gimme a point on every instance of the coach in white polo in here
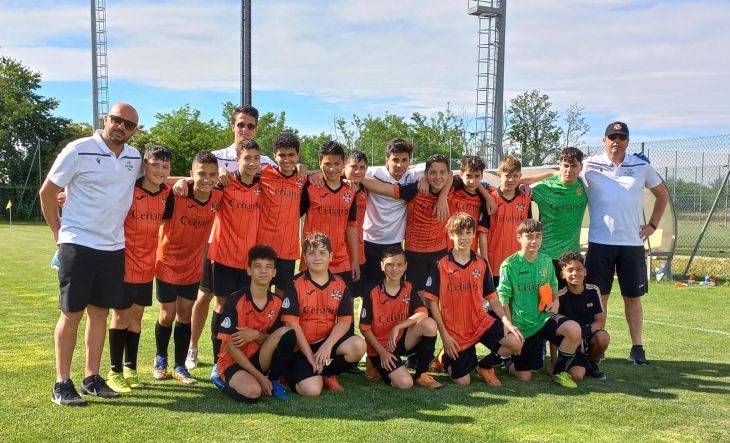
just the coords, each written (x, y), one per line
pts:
(615, 185)
(98, 175)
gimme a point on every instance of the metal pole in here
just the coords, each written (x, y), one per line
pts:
(94, 74)
(707, 223)
(499, 90)
(246, 52)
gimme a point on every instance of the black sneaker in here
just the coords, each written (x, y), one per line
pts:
(595, 372)
(65, 394)
(637, 356)
(96, 386)
(355, 369)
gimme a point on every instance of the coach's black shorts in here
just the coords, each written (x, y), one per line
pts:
(88, 276)
(531, 358)
(626, 261)
(228, 280)
(466, 362)
(138, 293)
(419, 266)
(284, 273)
(300, 369)
(373, 256)
(206, 280)
(400, 350)
(168, 292)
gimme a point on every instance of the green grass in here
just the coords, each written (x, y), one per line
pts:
(682, 396)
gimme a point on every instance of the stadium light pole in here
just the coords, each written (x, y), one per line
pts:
(245, 52)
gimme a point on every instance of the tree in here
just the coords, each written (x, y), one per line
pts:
(575, 127)
(533, 129)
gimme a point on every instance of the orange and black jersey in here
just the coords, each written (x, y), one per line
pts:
(474, 205)
(460, 291)
(279, 217)
(317, 308)
(236, 223)
(240, 311)
(184, 236)
(503, 226)
(142, 231)
(424, 232)
(330, 211)
(361, 201)
(381, 312)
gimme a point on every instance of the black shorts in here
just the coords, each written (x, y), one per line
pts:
(235, 367)
(400, 350)
(88, 276)
(284, 273)
(495, 281)
(373, 256)
(419, 266)
(561, 281)
(531, 357)
(347, 277)
(360, 288)
(300, 369)
(138, 293)
(626, 261)
(207, 284)
(168, 292)
(228, 280)
(466, 362)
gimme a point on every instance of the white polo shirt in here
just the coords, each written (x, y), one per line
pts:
(616, 198)
(385, 217)
(99, 189)
(227, 158)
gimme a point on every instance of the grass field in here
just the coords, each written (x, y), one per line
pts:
(683, 396)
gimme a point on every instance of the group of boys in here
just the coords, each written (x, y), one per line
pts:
(239, 216)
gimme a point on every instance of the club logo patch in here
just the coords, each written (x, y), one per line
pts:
(476, 273)
(300, 182)
(503, 277)
(226, 323)
(271, 314)
(214, 207)
(520, 207)
(336, 294)
(543, 272)
(617, 126)
(129, 165)
(98, 161)
(286, 303)
(257, 191)
(347, 197)
(579, 190)
(407, 298)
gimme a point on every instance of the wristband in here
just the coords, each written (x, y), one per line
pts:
(652, 225)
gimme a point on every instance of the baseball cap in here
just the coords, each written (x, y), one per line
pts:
(617, 128)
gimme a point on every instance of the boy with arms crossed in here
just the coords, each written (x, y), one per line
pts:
(528, 292)
(254, 341)
(179, 254)
(395, 322)
(141, 232)
(455, 291)
(318, 307)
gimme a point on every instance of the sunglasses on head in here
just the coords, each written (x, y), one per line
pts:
(117, 120)
(249, 126)
(621, 137)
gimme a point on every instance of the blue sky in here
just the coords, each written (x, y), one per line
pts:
(662, 66)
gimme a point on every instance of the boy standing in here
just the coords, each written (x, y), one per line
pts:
(318, 307)
(456, 289)
(528, 292)
(356, 165)
(141, 232)
(468, 198)
(254, 341)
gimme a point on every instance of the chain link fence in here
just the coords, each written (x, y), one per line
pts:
(695, 170)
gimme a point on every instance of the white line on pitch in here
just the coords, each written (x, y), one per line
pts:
(712, 331)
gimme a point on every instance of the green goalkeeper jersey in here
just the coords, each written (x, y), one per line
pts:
(561, 214)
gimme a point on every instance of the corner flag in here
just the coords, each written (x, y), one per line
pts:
(9, 205)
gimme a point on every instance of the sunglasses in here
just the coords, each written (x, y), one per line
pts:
(621, 137)
(249, 126)
(117, 120)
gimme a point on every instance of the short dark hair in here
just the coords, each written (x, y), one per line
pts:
(331, 148)
(205, 157)
(157, 152)
(571, 155)
(460, 221)
(436, 158)
(247, 110)
(316, 240)
(568, 257)
(356, 156)
(286, 140)
(261, 252)
(528, 226)
(472, 163)
(398, 145)
(246, 144)
(393, 251)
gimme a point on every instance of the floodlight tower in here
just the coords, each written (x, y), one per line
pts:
(99, 67)
(490, 77)
(245, 52)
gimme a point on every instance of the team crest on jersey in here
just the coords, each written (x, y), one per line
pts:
(503, 277)
(543, 272)
(300, 182)
(407, 298)
(257, 191)
(286, 303)
(629, 172)
(98, 160)
(476, 273)
(214, 207)
(363, 313)
(347, 197)
(164, 201)
(336, 294)
(520, 207)
(579, 190)
(129, 165)
(271, 314)
(226, 323)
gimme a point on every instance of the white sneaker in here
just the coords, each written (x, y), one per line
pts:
(191, 361)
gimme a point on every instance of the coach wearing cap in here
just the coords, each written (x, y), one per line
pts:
(615, 185)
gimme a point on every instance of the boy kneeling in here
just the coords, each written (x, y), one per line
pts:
(253, 340)
(318, 307)
(455, 292)
(395, 322)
